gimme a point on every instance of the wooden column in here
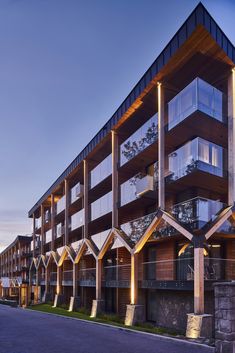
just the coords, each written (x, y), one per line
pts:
(42, 228)
(231, 138)
(52, 222)
(47, 280)
(75, 280)
(34, 235)
(85, 197)
(59, 280)
(115, 189)
(66, 220)
(161, 146)
(98, 279)
(198, 280)
(134, 278)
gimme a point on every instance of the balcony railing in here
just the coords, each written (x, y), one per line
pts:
(137, 227)
(117, 276)
(67, 276)
(139, 140)
(87, 277)
(215, 269)
(198, 95)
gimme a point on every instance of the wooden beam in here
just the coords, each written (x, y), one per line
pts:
(59, 280)
(161, 147)
(66, 220)
(134, 278)
(34, 235)
(223, 216)
(115, 188)
(52, 222)
(231, 138)
(172, 221)
(198, 281)
(98, 279)
(42, 229)
(85, 197)
(75, 280)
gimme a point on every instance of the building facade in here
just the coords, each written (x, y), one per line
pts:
(141, 222)
(15, 262)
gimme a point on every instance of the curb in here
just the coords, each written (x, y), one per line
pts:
(160, 337)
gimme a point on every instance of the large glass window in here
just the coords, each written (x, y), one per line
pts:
(196, 154)
(101, 206)
(139, 140)
(101, 171)
(198, 95)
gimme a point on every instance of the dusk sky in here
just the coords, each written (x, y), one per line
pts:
(65, 67)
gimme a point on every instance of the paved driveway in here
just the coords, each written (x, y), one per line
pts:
(25, 331)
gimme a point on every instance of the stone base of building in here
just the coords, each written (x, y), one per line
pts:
(199, 326)
(134, 314)
(97, 307)
(59, 299)
(74, 303)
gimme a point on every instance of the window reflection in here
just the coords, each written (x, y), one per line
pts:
(139, 140)
(196, 154)
(198, 95)
(101, 171)
(101, 206)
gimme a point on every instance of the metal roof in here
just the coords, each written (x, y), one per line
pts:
(199, 16)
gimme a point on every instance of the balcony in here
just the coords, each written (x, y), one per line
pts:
(197, 96)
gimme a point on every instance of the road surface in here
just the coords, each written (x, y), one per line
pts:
(26, 331)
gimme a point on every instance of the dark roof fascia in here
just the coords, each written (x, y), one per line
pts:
(19, 238)
(199, 16)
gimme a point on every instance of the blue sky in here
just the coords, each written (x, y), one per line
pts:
(65, 66)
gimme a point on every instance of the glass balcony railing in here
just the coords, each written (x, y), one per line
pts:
(139, 140)
(198, 95)
(60, 205)
(137, 227)
(101, 206)
(197, 154)
(193, 214)
(101, 171)
(77, 220)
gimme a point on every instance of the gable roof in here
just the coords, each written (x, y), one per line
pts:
(199, 17)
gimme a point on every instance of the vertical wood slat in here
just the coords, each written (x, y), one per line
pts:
(231, 138)
(198, 281)
(115, 189)
(161, 146)
(85, 197)
(66, 220)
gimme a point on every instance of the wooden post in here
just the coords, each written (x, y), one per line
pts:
(98, 279)
(85, 197)
(34, 235)
(42, 229)
(199, 280)
(231, 138)
(66, 221)
(115, 189)
(52, 222)
(161, 147)
(134, 278)
(47, 280)
(59, 280)
(75, 280)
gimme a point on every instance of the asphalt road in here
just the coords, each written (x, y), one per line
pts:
(25, 331)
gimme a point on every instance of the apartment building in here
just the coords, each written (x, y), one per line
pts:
(15, 262)
(141, 222)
